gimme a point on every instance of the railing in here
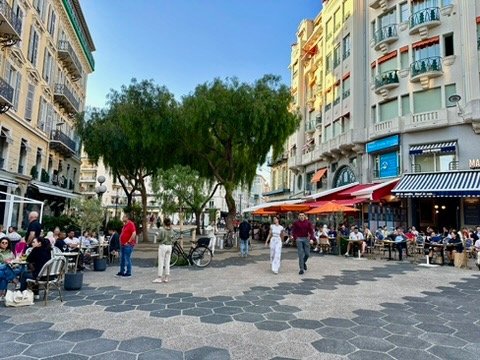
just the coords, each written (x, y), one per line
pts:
(385, 78)
(336, 101)
(429, 64)
(310, 125)
(346, 54)
(416, 168)
(8, 13)
(424, 16)
(65, 91)
(57, 135)
(6, 91)
(425, 117)
(386, 32)
(453, 165)
(346, 93)
(64, 45)
(328, 106)
(318, 121)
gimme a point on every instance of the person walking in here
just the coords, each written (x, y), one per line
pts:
(275, 237)
(34, 228)
(127, 243)
(244, 234)
(164, 251)
(302, 229)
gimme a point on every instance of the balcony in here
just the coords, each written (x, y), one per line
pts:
(375, 4)
(10, 25)
(6, 96)
(386, 81)
(318, 122)
(310, 126)
(425, 69)
(64, 97)
(87, 179)
(61, 143)
(426, 120)
(384, 36)
(423, 20)
(295, 162)
(67, 55)
(380, 129)
(308, 158)
(277, 160)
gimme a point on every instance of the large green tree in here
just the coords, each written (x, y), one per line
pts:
(132, 135)
(229, 128)
(185, 189)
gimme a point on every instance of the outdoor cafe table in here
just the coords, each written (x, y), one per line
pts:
(72, 258)
(359, 245)
(389, 243)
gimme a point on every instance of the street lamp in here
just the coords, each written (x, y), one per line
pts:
(102, 189)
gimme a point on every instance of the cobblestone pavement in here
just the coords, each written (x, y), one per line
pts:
(238, 309)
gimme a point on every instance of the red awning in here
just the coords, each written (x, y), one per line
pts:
(375, 192)
(348, 192)
(318, 175)
(346, 202)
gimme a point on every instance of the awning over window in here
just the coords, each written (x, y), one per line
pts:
(318, 175)
(43, 189)
(330, 193)
(376, 192)
(443, 147)
(441, 184)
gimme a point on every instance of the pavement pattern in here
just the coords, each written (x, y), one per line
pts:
(238, 309)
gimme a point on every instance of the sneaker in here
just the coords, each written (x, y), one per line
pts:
(166, 279)
(157, 280)
(300, 272)
(119, 274)
(305, 266)
(36, 297)
(346, 254)
(275, 272)
(127, 275)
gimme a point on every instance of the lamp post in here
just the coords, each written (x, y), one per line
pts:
(116, 203)
(101, 189)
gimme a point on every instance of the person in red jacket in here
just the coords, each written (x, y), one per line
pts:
(128, 240)
(302, 229)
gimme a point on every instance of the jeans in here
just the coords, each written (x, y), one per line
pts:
(7, 274)
(244, 246)
(303, 249)
(126, 259)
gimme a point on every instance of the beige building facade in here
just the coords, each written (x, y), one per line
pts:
(44, 65)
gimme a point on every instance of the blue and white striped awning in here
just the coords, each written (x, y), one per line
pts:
(441, 184)
(442, 147)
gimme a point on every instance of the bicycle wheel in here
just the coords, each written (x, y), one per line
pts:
(174, 257)
(201, 256)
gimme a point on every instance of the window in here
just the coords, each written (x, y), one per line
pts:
(29, 102)
(431, 162)
(329, 29)
(336, 56)
(404, 12)
(388, 110)
(18, 13)
(388, 65)
(426, 52)
(406, 105)
(388, 19)
(24, 147)
(52, 18)
(14, 79)
(328, 132)
(336, 94)
(386, 165)
(328, 63)
(39, 6)
(346, 88)
(338, 127)
(374, 114)
(478, 36)
(428, 100)
(448, 43)
(42, 114)
(337, 19)
(346, 46)
(33, 46)
(347, 9)
(47, 67)
(449, 91)
(404, 63)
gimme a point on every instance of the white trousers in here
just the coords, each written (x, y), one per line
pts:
(275, 253)
(211, 244)
(164, 254)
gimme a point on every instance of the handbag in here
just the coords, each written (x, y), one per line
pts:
(19, 298)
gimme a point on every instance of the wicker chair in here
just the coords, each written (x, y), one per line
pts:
(50, 275)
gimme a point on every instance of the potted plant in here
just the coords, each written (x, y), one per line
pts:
(73, 278)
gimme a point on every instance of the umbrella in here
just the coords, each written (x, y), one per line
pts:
(263, 212)
(288, 207)
(331, 207)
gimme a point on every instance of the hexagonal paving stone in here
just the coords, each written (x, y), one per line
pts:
(272, 325)
(370, 331)
(120, 308)
(368, 313)
(144, 291)
(238, 303)
(151, 307)
(336, 333)
(39, 337)
(228, 310)
(7, 336)
(265, 303)
(115, 355)
(207, 352)
(400, 320)
(403, 330)
(140, 344)
(280, 316)
(337, 322)
(305, 324)
(194, 299)
(82, 335)
(412, 354)
(78, 303)
(216, 319)
(300, 292)
(247, 297)
(127, 296)
(408, 342)
(197, 312)
(249, 317)
(435, 328)
(108, 302)
(286, 308)
(370, 343)
(50, 348)
(99, 297)
(333, 346)
(161, 354)
(370, 355)
(180, 295)
(210, 304)
(180, 306)
(272, 297)
(13, 349)
(67, 356)
(220, 298)
(165, 313)
(95, 346)
(139, 301)
(153, 296)
(369, 320)
(32, 327)
(257, 309)
(165, 301)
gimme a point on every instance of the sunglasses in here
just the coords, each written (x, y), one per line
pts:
(4, 242)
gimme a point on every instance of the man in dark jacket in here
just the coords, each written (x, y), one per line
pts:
(244, 234)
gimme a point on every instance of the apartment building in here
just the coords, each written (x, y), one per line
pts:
(45, 59)
(389, 90)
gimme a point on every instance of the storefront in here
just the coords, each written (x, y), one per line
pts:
(384, 157)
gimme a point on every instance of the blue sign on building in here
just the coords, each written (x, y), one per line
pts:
(381, 144)
(388, 165)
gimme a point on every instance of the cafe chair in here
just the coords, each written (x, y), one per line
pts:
(378, 249)
(51, 275)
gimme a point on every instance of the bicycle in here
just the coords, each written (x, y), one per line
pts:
(228, 239)
(199, 255)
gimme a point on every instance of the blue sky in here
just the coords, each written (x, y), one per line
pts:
(182, 43)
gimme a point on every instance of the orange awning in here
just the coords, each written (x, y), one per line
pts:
(263, 212)
(288, 207)
(331, 207)
(318, 175)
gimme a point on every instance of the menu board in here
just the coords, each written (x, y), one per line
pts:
(471, 214)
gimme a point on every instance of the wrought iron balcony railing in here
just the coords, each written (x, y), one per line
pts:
(385, 33)
(67, 54)
(66, 98)
(386, 78)
(426, 65)
(424, 16)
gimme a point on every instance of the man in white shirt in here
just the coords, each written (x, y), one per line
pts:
(356, 235)
(72, 242)
(13, 235)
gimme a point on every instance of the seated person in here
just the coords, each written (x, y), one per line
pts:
(368, 235)
(7, 272)
(60, 242)
(356, 235)
(454, 245)
(433, 243)
(379, 234)
(400, 242)
(41, 253)
(73, 245)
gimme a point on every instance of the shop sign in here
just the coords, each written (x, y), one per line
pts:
(381, 144)
(474, 163)
(388, 165)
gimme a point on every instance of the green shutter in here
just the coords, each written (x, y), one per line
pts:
(427, 100)
(388, 110)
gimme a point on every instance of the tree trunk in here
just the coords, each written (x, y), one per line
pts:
(198, 219)
(143, 193)
(232, 210)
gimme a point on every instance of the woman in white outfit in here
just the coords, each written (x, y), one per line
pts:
(164, 251)
(211, 230)
(275, 237)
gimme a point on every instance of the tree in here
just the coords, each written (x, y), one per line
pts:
(132, 134)
(88, 213)
(230, 127)
(181, 187)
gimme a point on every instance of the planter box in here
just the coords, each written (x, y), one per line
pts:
(100, 264)
(73, 281)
